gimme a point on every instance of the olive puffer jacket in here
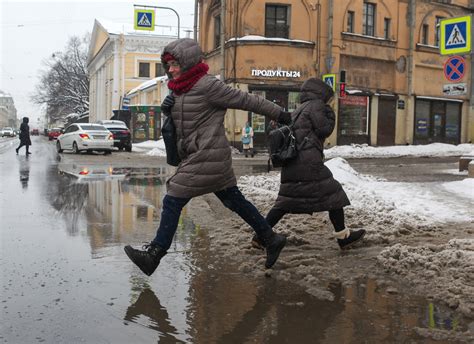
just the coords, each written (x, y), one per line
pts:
(198, 115)
(307, 185)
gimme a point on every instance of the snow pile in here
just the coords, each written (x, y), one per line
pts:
(385, 209)
(151, 148)
(445, 272)
(366, 151)
(464, 188)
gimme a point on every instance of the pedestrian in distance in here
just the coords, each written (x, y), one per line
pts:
(307, 185)
(24, 136)
(247, 139)
(197, 106)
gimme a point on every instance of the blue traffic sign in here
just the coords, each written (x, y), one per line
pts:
(455, 35)
(454, 68)
(330, 79)
(144, 20)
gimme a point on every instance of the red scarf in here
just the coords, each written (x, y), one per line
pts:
(187, 80)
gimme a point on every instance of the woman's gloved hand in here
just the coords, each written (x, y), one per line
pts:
(167, 104)
(284, 117)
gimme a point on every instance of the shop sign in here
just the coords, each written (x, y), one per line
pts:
(401, 104)
(455, 89)
(276, 73)
(421, 125)
(354, 100)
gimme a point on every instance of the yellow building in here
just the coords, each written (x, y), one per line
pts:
(387, 49)
(120, 59)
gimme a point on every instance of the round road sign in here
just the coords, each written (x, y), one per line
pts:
(454, 68)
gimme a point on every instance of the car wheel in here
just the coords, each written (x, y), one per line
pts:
(58, 147)
(75, 150)
(107, 152)
(128, 148)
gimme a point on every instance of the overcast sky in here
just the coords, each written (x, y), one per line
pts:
(30, 31)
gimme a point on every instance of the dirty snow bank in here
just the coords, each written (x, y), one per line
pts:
(385, 209)
(366, 151)
(445, 272)
(151, 148)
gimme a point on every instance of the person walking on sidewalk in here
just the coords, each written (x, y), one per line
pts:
(247, 140)
(197, 106)
(24, 136)
(307, 185)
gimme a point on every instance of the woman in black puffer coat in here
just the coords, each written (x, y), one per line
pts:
(307, 185)
(24, 136)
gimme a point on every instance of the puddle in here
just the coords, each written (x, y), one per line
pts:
(197, 297)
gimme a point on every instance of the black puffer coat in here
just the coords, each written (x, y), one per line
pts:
(307, 185)
(25, 132)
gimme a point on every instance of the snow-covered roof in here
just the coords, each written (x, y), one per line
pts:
(267, 39)
(148, 83)
(116, 28)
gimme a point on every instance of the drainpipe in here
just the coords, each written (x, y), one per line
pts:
(411, 108)
(196, 9)
(329, 43)
(222, 41)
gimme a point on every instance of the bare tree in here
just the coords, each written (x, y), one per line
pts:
(64, 83)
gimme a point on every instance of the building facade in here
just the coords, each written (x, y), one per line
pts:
(8, 115)
(119, 60)
(387, 50)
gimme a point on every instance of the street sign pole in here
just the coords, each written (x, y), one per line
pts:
(164, 8)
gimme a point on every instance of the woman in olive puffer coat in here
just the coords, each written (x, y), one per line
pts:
(307, 185)
(197, 106)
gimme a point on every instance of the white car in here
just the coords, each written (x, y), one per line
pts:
(85, 136)
(7, 131)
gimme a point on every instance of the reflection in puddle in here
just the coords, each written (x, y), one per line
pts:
(197, 297)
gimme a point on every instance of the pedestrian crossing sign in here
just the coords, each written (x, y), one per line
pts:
(144, 20)
(455, 36)
(330, 79)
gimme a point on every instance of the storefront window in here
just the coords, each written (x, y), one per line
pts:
(293, 101)
(258, 121)
(353, 115)
(437, 121)
(452, 121)
(422, 118)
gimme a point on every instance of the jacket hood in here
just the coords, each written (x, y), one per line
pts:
(26, 119)
(314, 88)
(187, 52)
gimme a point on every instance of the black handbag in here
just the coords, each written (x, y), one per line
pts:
(168, 131)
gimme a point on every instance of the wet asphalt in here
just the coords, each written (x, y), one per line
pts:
(65, 278)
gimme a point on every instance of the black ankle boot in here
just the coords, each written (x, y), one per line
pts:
(147, 260)
(256, 243)
(353, 237)
(273, 244)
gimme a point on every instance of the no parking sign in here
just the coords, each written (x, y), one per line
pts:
(454, 68)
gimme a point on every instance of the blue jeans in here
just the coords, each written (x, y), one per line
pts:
(232, 198)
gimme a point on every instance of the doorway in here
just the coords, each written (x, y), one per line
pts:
(386, 121)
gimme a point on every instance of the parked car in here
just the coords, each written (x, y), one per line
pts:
(34, 132)
(54, 133)
(7, 131)
(122, 135)
(85, 136)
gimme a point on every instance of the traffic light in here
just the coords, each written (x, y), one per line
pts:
(342, 84)
(342, 90)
